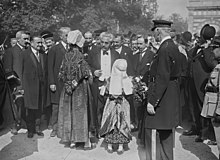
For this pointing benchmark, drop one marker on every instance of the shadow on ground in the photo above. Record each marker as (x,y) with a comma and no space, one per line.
(19,147)
(200,150)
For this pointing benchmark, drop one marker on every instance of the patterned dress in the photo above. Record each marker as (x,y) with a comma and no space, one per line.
(73,107)
(115,126)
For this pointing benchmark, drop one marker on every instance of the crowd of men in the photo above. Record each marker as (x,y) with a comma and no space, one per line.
(164,60)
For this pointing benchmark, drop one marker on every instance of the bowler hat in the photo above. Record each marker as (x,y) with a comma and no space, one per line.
(207,32)
(161,23)
(186,37)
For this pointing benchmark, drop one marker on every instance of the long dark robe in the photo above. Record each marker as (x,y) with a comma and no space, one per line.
(75,118)
(6,110)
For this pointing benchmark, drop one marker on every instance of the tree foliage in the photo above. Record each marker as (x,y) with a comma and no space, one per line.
(179,24)
(38,15)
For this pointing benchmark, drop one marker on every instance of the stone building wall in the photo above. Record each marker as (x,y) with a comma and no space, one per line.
(202,12)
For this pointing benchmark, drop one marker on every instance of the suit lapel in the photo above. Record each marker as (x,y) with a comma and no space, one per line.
(62,47)
(42,60)
(99,57)
(146,55)
(33,58)
(1,67)
(122,51)
(112,57)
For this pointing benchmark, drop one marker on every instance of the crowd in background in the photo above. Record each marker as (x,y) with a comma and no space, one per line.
(83,85)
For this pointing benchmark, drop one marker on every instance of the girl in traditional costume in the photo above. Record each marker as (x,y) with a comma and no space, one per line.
(75,118)
(115,125)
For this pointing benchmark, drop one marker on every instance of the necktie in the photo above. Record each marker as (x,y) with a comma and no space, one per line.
(140,57)
(38,56)
(105,53)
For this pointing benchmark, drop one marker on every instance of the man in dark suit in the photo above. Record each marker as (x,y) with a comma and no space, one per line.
(88,45)
(48,42)
(12,60)
(101,61)
(32,73)
(202,62)
(125,53)
(142,61)
(144,57)
(163,96)
(55,57)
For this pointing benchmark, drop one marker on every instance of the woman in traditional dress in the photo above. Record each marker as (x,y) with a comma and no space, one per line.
(75,118)
(115,125)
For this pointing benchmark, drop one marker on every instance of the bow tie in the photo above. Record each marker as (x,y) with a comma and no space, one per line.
(105,53)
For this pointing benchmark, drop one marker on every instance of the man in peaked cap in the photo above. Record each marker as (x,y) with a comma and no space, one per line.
(163,101)
(48,40)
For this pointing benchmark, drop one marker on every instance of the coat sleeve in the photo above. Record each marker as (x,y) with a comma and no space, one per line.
(21,70)
(91,55)
(8,61)
(162,77)
(51,65)
(209,58)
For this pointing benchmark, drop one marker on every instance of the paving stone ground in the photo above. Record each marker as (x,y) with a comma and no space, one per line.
(19,147)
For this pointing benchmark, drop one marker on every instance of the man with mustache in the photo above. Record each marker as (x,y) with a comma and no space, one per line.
(12,60)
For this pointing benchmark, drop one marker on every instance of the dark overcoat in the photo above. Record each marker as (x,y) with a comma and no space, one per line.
(31,85)
(12,60)
(55,57)
(4,90)
(143,65)
(164,92)
(202,65)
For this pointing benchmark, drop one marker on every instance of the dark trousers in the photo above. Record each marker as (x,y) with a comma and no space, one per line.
(54,116)
(201,125)
(33,120)
(216,125)
(159,144)
(48,114)
(100,109)
(21,109)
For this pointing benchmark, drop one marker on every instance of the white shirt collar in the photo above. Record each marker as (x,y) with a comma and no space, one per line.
(64,44)
(165,38)
(34,51)
(144,50)
(119,50)
(109,52)
(20,46)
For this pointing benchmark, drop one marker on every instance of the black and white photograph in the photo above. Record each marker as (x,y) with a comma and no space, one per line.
(109,79)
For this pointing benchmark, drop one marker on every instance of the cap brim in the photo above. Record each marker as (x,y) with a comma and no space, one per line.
(152,29)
